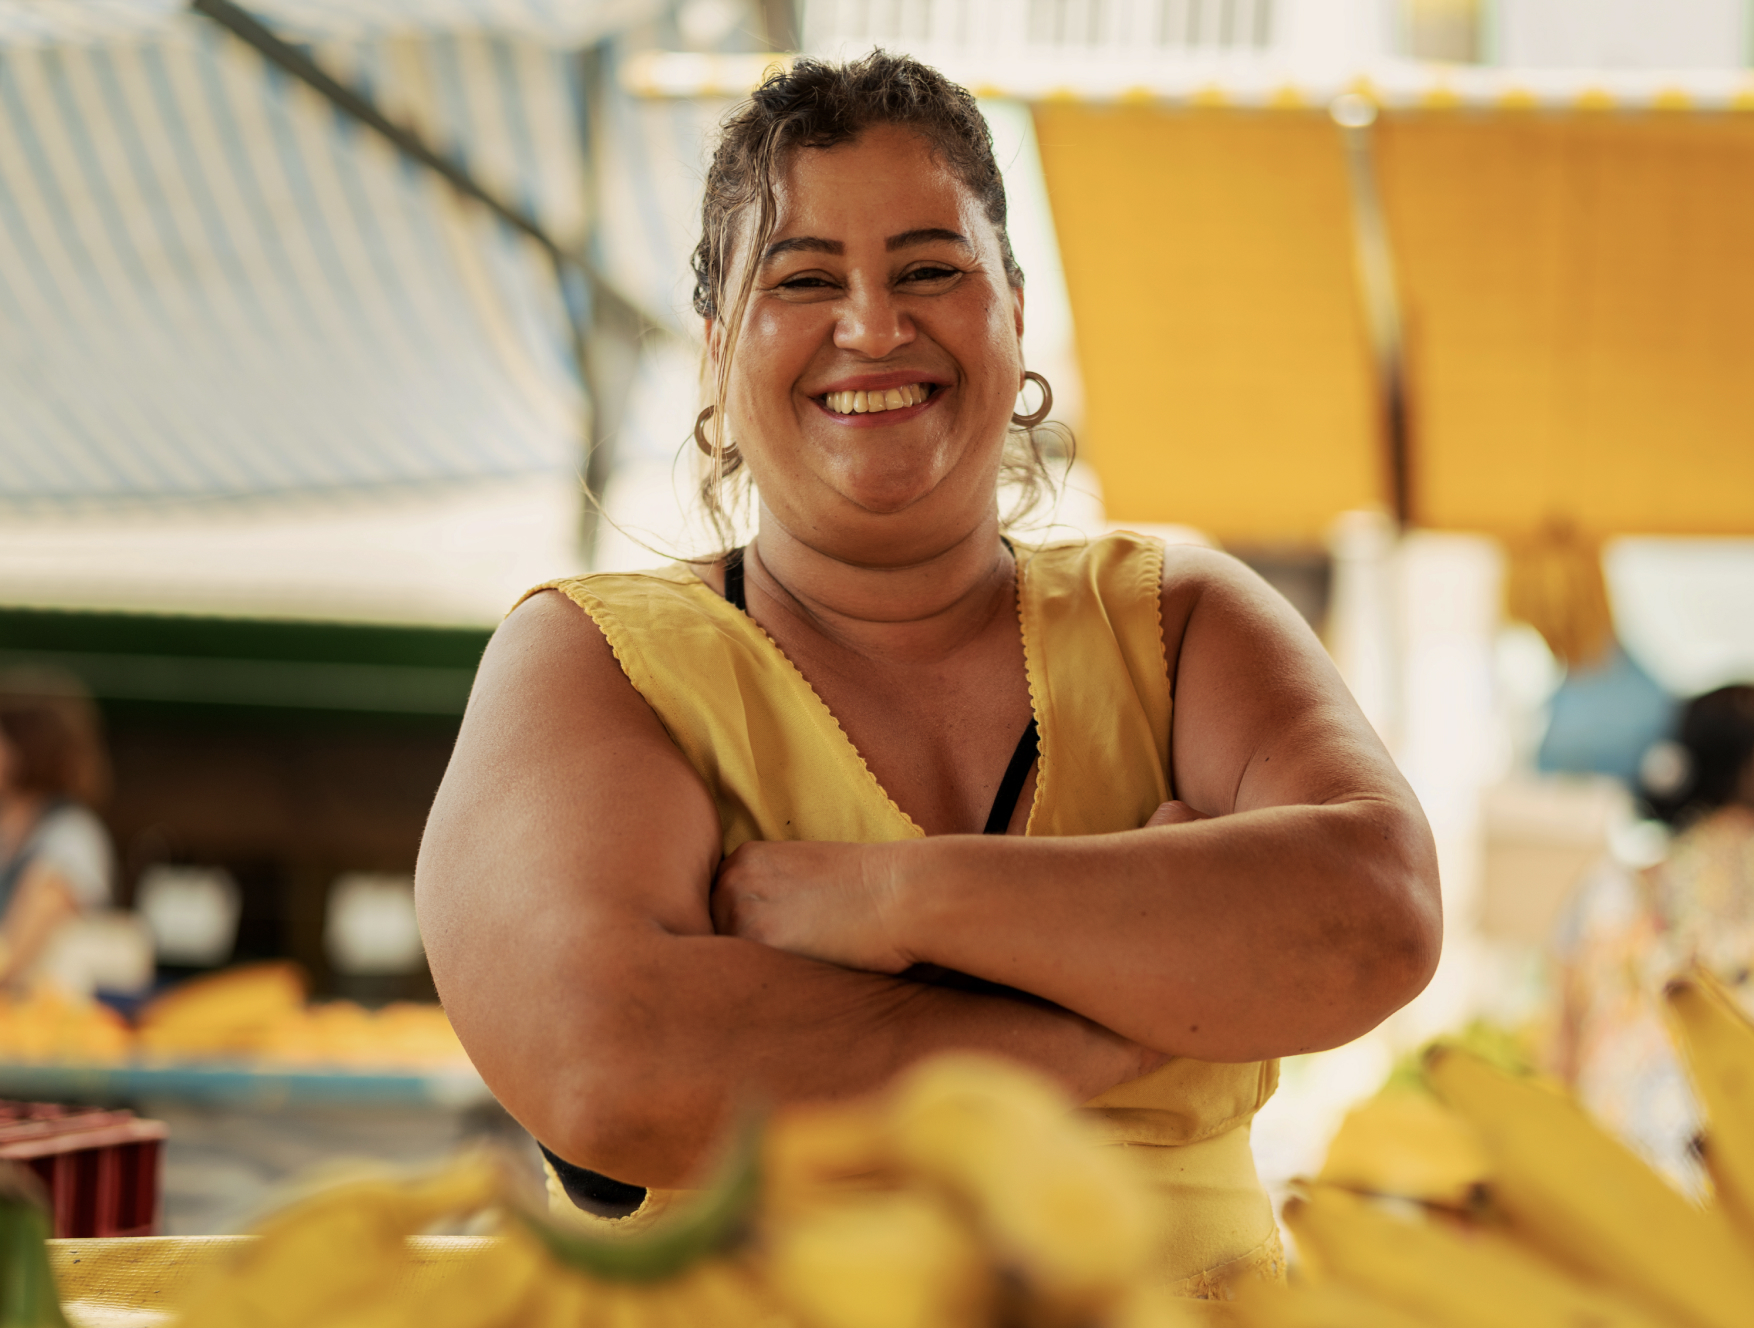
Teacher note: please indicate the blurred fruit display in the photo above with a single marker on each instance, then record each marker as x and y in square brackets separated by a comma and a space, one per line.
[971, 1196]
[256, 1013]
[1499, 1201]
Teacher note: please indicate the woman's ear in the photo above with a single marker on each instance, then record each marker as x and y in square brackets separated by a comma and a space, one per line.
[1017, 310]
[712, 343]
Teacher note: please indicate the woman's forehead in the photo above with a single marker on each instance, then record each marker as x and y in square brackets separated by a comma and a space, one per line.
[887, 182]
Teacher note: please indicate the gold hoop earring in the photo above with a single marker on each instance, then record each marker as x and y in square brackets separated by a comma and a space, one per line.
[1040, 413]
[701, 442]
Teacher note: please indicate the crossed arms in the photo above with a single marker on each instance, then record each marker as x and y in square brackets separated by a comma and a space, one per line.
[619, 1002]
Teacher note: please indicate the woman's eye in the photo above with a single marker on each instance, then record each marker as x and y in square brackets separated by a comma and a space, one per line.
[804, 283]
[929, 274]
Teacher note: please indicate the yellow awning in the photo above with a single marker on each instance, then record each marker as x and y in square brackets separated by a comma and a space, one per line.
[1208, 257]
[1579, 297]
[1577, 291]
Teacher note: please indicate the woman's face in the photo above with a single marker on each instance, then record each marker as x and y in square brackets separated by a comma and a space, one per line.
[880, 360]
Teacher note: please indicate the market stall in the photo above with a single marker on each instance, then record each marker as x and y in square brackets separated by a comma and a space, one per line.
[247, 1083]
[1562, 254]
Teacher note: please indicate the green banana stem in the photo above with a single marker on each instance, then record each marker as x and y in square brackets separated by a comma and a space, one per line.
[28, 1297]
[717, 1220]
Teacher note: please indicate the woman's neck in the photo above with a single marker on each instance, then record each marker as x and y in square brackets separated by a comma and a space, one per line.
[919, 611]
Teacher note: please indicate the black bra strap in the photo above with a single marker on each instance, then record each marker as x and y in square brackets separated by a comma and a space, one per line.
[1011, 786]
[734, 579]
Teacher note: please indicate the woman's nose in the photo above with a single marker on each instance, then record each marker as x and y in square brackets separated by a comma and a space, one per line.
[871, 322]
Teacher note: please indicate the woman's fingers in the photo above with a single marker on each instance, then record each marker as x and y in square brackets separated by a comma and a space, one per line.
[723, 898]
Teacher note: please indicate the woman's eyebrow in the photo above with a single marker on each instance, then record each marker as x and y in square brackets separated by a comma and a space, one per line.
[925, 235]
[815, 244]
[808, 244]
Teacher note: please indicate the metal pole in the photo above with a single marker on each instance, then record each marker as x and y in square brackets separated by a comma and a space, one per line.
[1356, 117]
[605, 351]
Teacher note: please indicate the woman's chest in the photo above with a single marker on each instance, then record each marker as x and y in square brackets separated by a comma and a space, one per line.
[937, 735]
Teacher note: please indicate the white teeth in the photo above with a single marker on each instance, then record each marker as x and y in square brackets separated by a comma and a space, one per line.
[861, 403]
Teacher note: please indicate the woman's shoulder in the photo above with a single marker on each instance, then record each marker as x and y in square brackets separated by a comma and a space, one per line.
[663, 627]
[71, 839]
[1126, 558]
[678, 582]
[67, 821]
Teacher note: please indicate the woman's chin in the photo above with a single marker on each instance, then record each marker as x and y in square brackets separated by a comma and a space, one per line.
[888, 481]
[886, 494]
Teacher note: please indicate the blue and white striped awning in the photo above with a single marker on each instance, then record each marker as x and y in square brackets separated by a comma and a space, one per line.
[213, 285]
[558, 22]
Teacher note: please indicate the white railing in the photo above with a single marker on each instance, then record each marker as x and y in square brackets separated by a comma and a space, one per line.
[1126, 30]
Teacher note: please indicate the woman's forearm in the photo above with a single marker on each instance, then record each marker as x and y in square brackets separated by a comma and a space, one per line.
[41, 904]
[636, 1070]
[1265, 933]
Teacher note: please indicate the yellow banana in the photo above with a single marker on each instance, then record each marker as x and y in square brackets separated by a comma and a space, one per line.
[810, 1147]
[1060, 1209]
[1442, 1278]
[1718, 1041]
[630, 1305]
[1147, 1306]
[562, 1299]
[881, 1260]
[483, 1288]
[330, 1256]
[314, 1263]
[727, 1295]
[1332, 1305]
[1403, 1142]
[1587, 1199]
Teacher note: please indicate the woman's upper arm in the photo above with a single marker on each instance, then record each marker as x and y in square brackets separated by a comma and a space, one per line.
[568, 834]
[1262, 718]
[1263, 721]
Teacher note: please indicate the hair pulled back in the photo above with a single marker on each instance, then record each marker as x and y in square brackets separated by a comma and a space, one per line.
[820, 104]
[48, 721]
[1715, 736]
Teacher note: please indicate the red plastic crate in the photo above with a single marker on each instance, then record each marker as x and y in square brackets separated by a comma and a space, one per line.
[101, 1168]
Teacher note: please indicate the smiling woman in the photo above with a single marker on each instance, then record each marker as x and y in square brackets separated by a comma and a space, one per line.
[763, 827]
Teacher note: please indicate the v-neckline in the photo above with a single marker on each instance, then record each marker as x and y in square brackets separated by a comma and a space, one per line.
[1019, 562]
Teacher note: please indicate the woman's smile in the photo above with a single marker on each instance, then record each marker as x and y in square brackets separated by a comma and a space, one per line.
[875, 401]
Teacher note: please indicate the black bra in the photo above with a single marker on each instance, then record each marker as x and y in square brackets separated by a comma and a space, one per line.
[597, 1193]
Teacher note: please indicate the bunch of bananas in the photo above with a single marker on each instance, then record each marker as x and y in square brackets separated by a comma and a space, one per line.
[259, 1012]
[969, 1196]
[44, 1023]
[1508, 1205]
[347, 1258]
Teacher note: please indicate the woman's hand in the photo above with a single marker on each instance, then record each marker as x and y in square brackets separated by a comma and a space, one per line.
[822, 901]
[829, 901]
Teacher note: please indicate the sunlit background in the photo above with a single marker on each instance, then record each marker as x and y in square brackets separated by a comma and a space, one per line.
[321, 322]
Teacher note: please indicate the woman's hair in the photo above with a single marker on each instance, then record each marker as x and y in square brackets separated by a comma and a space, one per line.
[52, 729]
[1714, 748]
[818, 104]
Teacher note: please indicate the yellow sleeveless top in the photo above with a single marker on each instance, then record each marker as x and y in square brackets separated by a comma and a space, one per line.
[780, 768]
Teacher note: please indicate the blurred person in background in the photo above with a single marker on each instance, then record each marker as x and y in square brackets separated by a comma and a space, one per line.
[55, 855]
[1627, 933]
